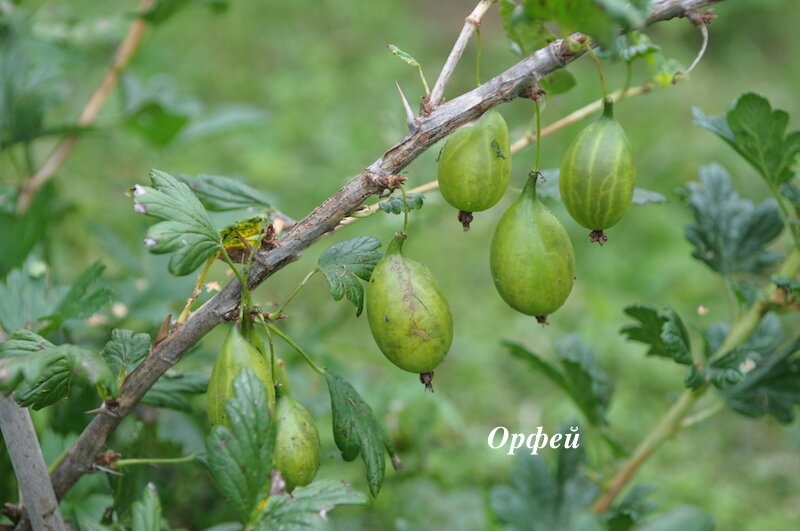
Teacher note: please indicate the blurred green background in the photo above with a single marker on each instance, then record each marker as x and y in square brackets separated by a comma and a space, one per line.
[321, 74]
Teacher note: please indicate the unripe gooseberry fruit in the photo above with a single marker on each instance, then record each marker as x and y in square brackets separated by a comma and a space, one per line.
[531, 257]
[408, 314]
[236, 354]
[475, 164]
[598, 176]
[297, 446]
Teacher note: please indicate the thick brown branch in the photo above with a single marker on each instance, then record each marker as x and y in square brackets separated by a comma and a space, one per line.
[322, 220]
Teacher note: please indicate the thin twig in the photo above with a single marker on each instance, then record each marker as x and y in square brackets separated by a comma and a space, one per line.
[127, 48]
[470, 25]
[379, 176]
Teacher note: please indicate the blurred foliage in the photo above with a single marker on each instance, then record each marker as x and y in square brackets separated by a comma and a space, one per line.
[293, 98]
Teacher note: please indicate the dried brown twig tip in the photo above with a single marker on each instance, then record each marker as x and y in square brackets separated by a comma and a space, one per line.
[598, 236]
[427, 380]
[465, 218]
[106, 458]
[396, 462]
[534, 92]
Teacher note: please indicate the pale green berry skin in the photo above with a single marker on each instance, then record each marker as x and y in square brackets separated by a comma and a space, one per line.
[297, 446]
[531, 257]
[598, 174]
[407, 312]
[475, 164]
[236, 354]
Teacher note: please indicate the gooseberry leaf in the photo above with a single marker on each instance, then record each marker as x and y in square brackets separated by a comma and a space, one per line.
[544, 498]
[730, 234]
[757, 133]
[80, 301]
[345, 262]
[356, 430]
[662, 330]
[526, 33]
[155, 109]
[146, 511]
[394, 205]
[24, 299]
[185, 229]
[579, 375]
[40, 373]
[223, 194]
[307, 505]
[558, 82]
[171, 390]
[125, 350]
[240, 457]
[772, 387]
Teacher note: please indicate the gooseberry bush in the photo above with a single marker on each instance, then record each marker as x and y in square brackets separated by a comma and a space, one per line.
[262, 444]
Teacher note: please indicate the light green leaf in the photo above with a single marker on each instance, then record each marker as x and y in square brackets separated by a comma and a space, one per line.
[307, 505]
[125, 350]
[406, 58]
[345, 262]
[185, 229]
[223, 194]
[147, 511]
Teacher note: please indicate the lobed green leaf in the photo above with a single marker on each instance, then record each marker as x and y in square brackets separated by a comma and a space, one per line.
[345, 262]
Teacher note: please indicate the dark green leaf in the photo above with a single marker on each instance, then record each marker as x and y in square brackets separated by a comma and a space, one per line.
[580, 377]
[171, 389]
[539, 499]
[40, 373]
[223, 194]
[633, 507]
[345, 262]
[663, 331]
[307, 505]
[773, 387]
[757, 133]
[683, 518]
[357, 430]
[155, 109]
[601, 19]
[240, 457]
[591, 387]
[24, 299]
[80, 301]
[553, 373]
[790, 287]
[729, 233]
[163, 10]
[559, 82]
[185, 229]
[394, 205]
[125, 350]
[147, 511]
[19, 234]
[525, 33]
